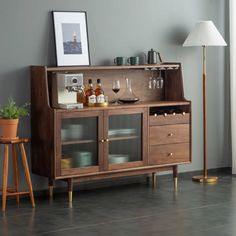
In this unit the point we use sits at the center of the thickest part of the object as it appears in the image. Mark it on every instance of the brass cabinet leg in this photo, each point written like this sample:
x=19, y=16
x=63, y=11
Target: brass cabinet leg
x=5, y=176
x=50, y=188
x=70, y=196
x=175, y=177
x=154, y=180
x=176, y=183
x=70, y=189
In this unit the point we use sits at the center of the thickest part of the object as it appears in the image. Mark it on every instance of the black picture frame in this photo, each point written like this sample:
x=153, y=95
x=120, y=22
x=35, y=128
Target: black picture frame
x=71, y=38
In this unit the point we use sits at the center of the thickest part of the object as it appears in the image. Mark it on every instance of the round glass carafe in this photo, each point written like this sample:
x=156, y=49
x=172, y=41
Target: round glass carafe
x=128, y=96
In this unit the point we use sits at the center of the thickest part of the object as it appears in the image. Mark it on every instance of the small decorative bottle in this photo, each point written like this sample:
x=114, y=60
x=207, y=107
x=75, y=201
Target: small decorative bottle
x=90, y=95
x=99, y=92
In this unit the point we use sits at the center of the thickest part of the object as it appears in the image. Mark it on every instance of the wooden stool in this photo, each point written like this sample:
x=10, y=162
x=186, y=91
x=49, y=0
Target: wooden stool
x=15, y=191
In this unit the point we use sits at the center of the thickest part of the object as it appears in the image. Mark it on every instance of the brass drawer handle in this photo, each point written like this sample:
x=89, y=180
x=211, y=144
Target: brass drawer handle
x=155, y=115
x=165, y=114
x=106, y=140
x=170, y=154
x=170, y=134
x=183, y=113
x=102, y=141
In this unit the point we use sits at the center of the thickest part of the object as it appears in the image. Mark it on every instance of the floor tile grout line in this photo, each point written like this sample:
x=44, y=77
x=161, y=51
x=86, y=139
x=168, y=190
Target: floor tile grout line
x=168, y=211
x=205, y=230
x=126, y=219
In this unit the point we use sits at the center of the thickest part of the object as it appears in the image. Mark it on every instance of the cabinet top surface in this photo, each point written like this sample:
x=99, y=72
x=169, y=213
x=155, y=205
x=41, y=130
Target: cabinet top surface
x=122, y=106
x=163, y=66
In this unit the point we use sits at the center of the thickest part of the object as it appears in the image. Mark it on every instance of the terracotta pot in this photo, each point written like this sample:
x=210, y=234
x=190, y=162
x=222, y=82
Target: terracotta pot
x=8, y=128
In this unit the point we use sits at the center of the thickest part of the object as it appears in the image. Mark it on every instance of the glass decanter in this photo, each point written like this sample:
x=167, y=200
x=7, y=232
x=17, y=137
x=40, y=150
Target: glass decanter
x=128, y=96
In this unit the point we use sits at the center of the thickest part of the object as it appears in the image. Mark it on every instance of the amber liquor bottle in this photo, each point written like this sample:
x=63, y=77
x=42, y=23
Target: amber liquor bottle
x=90, y=94
x=99, y=92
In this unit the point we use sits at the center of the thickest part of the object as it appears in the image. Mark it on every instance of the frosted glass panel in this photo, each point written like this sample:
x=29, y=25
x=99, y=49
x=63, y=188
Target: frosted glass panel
x=79, y=138
x=125, y=140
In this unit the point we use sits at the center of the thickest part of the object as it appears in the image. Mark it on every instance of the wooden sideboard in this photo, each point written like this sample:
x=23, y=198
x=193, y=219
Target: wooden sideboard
x=94, y=143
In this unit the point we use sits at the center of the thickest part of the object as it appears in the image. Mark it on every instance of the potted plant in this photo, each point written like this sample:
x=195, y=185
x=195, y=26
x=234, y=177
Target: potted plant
x=9, y=119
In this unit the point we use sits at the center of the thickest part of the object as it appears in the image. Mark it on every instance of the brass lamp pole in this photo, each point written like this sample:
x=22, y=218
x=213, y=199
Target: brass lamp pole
x=204, y=178
x=204, y=34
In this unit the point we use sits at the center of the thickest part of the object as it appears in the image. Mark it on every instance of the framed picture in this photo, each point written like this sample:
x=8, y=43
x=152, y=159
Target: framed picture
x=71, y=38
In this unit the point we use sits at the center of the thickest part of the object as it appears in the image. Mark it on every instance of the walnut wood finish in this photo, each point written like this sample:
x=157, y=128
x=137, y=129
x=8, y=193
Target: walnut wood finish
x=169, y=134
x=169, y=154
x=174, y=86
x=15, y=171
x=169, y=119
x=46, y=122
x=42, y=125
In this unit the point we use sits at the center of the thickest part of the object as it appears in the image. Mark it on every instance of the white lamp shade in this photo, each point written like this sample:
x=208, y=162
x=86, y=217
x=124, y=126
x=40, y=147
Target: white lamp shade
x=204, y=34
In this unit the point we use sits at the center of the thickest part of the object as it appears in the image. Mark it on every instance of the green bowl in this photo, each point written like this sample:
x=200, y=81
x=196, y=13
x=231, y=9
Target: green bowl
x=82, y=159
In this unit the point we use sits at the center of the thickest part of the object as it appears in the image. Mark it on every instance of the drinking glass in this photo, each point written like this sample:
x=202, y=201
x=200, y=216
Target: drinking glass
x=160, y=81
x=116, y=89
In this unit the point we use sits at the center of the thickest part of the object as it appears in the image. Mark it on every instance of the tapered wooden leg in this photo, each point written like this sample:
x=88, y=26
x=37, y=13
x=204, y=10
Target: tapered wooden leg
x=50, y=187
x=175, y=177
x=15, y=171
x=70, y=189
x=154, y=180
x=5, y=176
x=27, y=174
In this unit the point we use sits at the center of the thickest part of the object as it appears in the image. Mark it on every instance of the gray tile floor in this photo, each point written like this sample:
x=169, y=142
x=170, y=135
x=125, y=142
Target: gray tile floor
x=132, y=209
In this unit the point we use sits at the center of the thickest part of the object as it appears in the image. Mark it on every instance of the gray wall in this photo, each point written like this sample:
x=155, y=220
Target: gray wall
x=124, y=27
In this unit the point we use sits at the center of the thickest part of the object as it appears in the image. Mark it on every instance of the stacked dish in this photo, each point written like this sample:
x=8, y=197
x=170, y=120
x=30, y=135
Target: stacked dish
x=71, y=132
x=118, y=158
x=121, y=132
x=82, y=159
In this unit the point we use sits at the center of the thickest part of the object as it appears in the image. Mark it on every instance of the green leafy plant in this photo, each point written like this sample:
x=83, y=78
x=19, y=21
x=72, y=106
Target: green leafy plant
x=12, y=111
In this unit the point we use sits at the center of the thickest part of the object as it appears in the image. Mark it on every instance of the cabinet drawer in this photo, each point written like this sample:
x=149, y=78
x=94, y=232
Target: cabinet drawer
x=169, y=134
x=169, y=119
x=168, y=154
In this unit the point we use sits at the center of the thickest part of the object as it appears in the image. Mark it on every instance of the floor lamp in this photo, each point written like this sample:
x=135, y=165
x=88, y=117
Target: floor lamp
x=204, y=34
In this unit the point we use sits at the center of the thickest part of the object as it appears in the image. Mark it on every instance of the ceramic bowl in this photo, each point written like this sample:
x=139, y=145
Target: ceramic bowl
x=65, y=134
x=82, y=159
x=66, y=163
x=75, y=131
x=118, y=158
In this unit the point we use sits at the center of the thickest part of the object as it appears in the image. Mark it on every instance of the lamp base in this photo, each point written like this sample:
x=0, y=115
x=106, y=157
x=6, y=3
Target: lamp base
x=205, y=179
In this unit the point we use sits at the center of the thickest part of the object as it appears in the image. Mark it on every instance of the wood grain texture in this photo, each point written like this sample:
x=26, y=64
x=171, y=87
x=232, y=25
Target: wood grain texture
x=27, y=173
x=169, y=119
x=15, y=171
x=5, y=176
x=169, y=154
x=169, y=134
x=46, y=122
x=42, y=125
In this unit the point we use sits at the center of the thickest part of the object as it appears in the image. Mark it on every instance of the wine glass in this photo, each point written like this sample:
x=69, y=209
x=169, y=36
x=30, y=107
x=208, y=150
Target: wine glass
x=160, y=80
x=116, y=89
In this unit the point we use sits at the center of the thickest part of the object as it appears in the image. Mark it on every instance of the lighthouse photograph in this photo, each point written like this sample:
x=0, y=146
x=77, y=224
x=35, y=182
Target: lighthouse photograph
x=71, y=38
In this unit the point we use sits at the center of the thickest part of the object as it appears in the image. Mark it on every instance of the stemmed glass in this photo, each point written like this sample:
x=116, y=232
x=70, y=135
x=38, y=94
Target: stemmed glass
x=152, y=81
x=116, y=89
x=160, y=80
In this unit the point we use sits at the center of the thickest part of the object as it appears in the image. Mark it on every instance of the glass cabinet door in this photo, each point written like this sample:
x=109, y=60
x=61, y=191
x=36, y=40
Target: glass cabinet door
x=79, y=144
x=125, y=135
